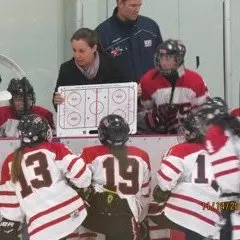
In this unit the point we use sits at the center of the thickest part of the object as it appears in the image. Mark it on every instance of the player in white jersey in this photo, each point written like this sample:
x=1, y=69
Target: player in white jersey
x=121, y=182
x=169, y=91
x=186, y=187
x=222, y=140
x=34, y=185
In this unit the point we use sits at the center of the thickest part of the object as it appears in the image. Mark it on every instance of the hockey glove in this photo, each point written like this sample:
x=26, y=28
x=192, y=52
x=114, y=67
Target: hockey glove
x=9, y=229
x=160, y=196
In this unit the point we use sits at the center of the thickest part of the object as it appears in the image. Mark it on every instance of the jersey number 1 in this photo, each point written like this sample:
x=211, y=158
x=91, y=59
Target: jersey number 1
x=201, y=173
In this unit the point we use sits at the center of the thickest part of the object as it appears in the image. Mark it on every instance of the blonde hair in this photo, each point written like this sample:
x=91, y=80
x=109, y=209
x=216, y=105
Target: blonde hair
x=16, y=167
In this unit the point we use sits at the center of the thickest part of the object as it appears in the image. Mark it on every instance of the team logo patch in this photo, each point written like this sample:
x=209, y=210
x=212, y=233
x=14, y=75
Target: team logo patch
x=147, y=43
x=116, y=52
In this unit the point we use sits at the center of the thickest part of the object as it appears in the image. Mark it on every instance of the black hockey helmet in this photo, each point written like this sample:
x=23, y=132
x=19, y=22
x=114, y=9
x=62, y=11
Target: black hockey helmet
x=34, y=129
x=113, y=130
x=170, y=48
x=211, y=111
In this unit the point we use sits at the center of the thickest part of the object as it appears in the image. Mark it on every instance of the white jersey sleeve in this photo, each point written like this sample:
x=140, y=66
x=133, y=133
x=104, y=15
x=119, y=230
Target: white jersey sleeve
x=224, y=159
x=144, y=195
x=73, y=167
x=170, y=170
x=9, y=203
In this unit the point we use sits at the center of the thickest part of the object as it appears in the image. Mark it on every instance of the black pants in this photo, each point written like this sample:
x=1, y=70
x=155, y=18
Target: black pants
x=110, y=215
x=114, y=227
x=164, y=222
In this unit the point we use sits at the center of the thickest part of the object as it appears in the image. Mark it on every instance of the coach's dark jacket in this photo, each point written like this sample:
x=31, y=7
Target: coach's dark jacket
x=108, y=72
x=132, y=44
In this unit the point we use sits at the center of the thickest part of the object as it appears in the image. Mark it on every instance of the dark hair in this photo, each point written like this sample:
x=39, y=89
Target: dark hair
x=120, y=152
x=230, y=123
x=16, y=167
x=88, y=35
x=122, y=1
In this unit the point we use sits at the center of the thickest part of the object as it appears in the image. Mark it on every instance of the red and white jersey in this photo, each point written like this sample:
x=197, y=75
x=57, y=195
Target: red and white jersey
x=235, y=112
x=186, y=172
x=190, y=91
x=156, y=232
x=52, y=208
x=83, y=233
x=131, y=182
x=235, y=217
x=224, y=150
x=9, y=121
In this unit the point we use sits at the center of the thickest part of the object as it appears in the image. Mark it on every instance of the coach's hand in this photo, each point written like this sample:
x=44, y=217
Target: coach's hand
x=58, y=99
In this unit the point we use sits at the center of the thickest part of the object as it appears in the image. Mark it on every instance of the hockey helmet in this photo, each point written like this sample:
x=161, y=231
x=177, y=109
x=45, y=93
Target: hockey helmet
x=34, y=129
x=113, y=130
x=171, y=49
x=21, y=89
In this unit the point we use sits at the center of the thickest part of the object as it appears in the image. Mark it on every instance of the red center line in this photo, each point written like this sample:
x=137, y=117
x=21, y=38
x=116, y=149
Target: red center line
x=96, y=106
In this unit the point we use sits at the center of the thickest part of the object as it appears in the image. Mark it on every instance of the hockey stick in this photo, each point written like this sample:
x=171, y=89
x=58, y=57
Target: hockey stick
x=13, y=66
x=180, y=72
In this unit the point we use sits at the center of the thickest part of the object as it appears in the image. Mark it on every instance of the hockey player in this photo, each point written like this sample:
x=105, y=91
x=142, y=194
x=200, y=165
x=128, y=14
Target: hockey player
x=22, y=102
x=33, y=185
x=222, y=140
x=169, y=91
x=121, y=182
x=186, y=187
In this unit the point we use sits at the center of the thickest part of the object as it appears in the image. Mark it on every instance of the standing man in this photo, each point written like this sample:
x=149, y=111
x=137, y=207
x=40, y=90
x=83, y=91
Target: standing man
x=131, y=39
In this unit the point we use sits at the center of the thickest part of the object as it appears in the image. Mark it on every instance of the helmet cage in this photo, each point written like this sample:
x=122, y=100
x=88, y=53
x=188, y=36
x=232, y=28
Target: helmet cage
x=170, y=49
x=21, y=88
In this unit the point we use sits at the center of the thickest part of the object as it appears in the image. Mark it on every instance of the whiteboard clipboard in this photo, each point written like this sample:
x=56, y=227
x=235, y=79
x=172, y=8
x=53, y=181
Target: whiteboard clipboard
x=86, y=105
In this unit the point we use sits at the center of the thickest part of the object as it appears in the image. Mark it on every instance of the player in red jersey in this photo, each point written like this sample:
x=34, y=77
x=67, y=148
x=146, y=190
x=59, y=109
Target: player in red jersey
x=22, y=102
x=169, y=91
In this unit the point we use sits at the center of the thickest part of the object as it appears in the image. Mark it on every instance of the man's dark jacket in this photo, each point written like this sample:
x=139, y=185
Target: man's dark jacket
x=132, y=44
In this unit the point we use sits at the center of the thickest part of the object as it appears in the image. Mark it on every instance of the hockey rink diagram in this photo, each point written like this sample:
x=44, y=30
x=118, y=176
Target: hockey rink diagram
x=86, y=105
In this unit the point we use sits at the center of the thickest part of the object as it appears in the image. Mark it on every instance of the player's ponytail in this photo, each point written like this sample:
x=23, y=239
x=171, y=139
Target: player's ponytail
x=120, y=152
x=234, y=125
x=230, y=123
x=16, y=164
